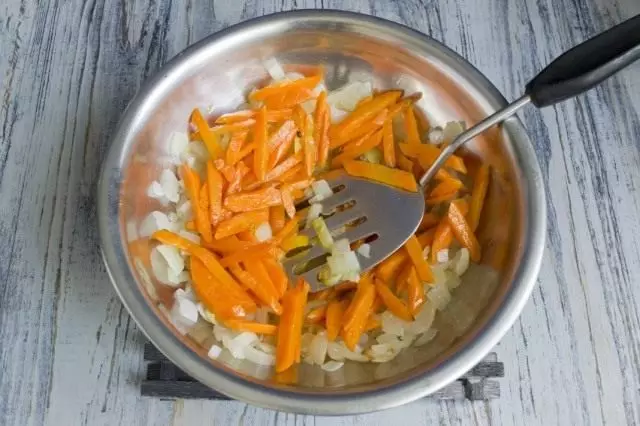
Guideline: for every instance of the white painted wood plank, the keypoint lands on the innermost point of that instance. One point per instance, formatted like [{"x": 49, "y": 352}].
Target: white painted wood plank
[{"x": 69, "y": 352}]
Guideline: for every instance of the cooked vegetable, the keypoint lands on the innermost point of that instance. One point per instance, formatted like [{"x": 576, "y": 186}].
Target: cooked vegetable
[{"x": 383, "y": 174}]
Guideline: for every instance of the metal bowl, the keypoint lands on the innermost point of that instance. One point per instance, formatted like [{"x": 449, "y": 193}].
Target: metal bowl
[{"x": 218, "y": 71}]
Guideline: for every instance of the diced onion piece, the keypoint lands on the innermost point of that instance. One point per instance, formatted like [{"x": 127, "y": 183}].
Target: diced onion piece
[
  {"x": 206, "y": 314},
  {"x": 214, "y": 351},
  {"x": 364, "y": 250},
  {"x": 154, "y": 222},
  {"x": 178, "y": 142},
  {"x": 439, "y": 295},
  {"x": 259, "y": 357},
  {"x": 341, "y": 246},
  {"x": 347, "y": 97},
  {"x": 326, "y": 240},
  {"x": 263, "y": 232},
  {"x": 452, "y": 129},
  {"x": 315, "y": 210},
  {"x": 442, "y": 256},
  {"x": 426, "y": 337},
  {"x": 423, "y": 320},
  {"x": 159, "y": 266},
  {"x": 461, "y": 261},
  {"x": 172, "y": 256},
  {"x": 331, "y": 366},
  {"x": 274, "y": 69},
  {"x": 184, "y": 211},
  {"x": 436, "y": 136},
  {"x": 318, "y": 348},
  {"x": 294, "y": 76},
  {"x": 155, "y": 191},
  {"x": 322, "y": 191},
  {"x": 343, "y": 263},
  {"x": 393, "y": 325},
  {"x": 184, "y": 312},
  {"x": 191, "y": 236},
  {"x": 170, "y": 187}
]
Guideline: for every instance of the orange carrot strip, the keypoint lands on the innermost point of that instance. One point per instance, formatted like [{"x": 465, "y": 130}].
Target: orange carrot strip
[
  {"x": 286, "y": 86},
  {"x": 290, "y": 327},
  {"x": 322, "y": 122},
  {"x": 426, "y": 238},
  {"x": 357, "y": 148},
  {"x": 238, "y": 126},
  {"x": 356, "y": 315},
  {"x": 283, "y": 167},
  {"x": 263, "y": 291},
  {"x": 253, "y": 200},
  {"x": 287, "y": 200},
  {"x": 383, "y": 174},
  {"x": 234, "y": 147},
  {"x": 415, "y": 292},
  {"x": 250, "y": 253},
  {"x": 411, "y": 127},
  {"x": 273, "y": 116},
  {"x": 415, "y": 253},
  {"x": 292, "y": 174},
  {"x": 334, "y": 314},
  {"x": 246, "y": 150},
  {"x": 442, "y": 239},
  {"x": 388, "y": 144},
  {"x": 462, "y": 230},
  {"x": 395, "y": 305},
  {"x": 317, "y": 315},
  {"x": 427, "y": 154},
  {"x": 190, "y": 226},
  {"x": 445, "y": 187},
  {"x": 286, "y": 132},
  {"x": 277, "y": 274},
  {"x": 241, "y": 222},
  {"x": 208, "y": 136},
  {"x": 401, "y": 279},
  {"x": 276, "y": 218},
  {"x": 227, "y": 245},
  {"x": 372, "y": 126},
  {"x": 192, "y": 184},
  {"x": 404, "y": 163},
  {"x": 389, "y": 267},
  {"x": 204, "y": 206},
  {"x": 478, "y": 194},
  {"x": 215, "y": 185},
  {"x": 261, "y": 155},
  {"x": 252, "y": 326},
  {"x": 365, "y": 112},
  {"x": 429, "y": 220},
  {"x": 431, "y": 201}
]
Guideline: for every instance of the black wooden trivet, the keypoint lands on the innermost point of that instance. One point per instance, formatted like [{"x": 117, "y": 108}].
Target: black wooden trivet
[{"x": 165, "y": 380}]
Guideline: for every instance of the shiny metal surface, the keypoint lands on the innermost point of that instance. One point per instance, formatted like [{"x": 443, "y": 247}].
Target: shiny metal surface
[
  {"x": 217, "y": 71},
  {"x": 477, "y": 129},
  {"x": 367, "y": 197}
]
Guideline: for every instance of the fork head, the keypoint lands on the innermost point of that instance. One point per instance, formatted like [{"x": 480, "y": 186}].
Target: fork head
[{"x": 359, "y": 210}]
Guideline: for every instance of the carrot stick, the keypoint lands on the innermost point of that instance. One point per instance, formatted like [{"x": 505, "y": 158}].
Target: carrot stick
[
  {"x": 445, "y": 187},
  {"x": 289, "y": 228},
  {"x": 263, "y": 291},
  {"x": 287, "y": 200},
  {"x": 252, "y": 326},
  {"x": 429, "y": 220},
  {"x": 356, "y": 315},
  {"x": 238, "y": 126},
  {"x": 227, "y": 245},
  {"x": 401, "y": 279},
  {"x": 388, "y": 144},
  {"x": 404, "y": 163},
  {"x": 253, "y": 200},
  {"x": 333, "y": 321},
  {"x": 411, "y": 127},
  {"x": 373, "y": 125},
  {"x": 427, "y": 154},
  {"x": 234, "y": 147},
  {"x": 261, "y": 155},
  {"x": 383, "y": 174},
  {"x": 283, "y": 167},
  {"x": 395, "y": 305},
  {"x": 426, "y": 238},
  {"x": 478, "y": 194},
  {"x": 290, "y": 327},
  {"x": 322, "y": 122},
  {"x": 365, "y": 112},
  {"x": 273, "y": 116},
  {"x": 249, "y": 254},
  {"x": 280, "y": 142},
  {"x": 192, "y": 184},
  {"x": 277, "y": 275},
  {"x": 415, "y": 292},
  {"x": 463, "y": 232},
  {"x": 208, "y": 136},
  {"x": 356, "y": 149},
  {"x": 413, "y": 248},
  {"x": 284, "y": 87},
  {"x": 389, "y": 267},
  {"x": 276, "y": 218},
  {"x": 317, "y": 315},
  {"x": 308, "y": 144},
  {"x": 442, "y": 239},
  {"x": 241, "y": 222},
  {"x": 215, "y": 185}
]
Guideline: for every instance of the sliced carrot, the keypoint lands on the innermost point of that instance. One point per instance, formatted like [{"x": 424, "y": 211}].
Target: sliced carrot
[
  {"x": 365, "y": 112},
  {"x": 415, "y": 292},
  {"x": 238, "y": 126},
  {"x": 253, "y": 200},
  {"x": 190, "y": 225},
  {"x": 383, "y": 174},
  {"x": 413, "y": 248},
  {"x": 290, "y": 228},
  {"x": 283, "y": 167},
  {"x": 446, "y": 186},
  {"x": 372, "y": 126},
  {"x": 357, "y": 148},
  {"x": 210, "y": 138},
  {"x": 251, "y": 253},
  {"x": 305, "y": 125},
  {"x": 411, "y": 127},
  {"x": 333, "y": 321},
  {"x": 389, "y": 267},
  {"x": 277, "y": 274},
  {"x": 377, "y": 306},
  {"x": 261, "y": 155},
  {"x": 247, "y": 236},
  {"x": 283, "y": 87},
  {"x": 317, "y": 315},
  {"x": 393, "y": 303},
  {"x": 192, "y": 184},
  {"x": 356, "y": 315},
  {"x": 478, "y": 194},
  {"x": 322, "y": 123},
  {"x": 426, "y": 154},
  {"x": 215, "y": 186},
  {"x": 241, "y": 222},
  {"x": 401, "y": 279},
  {"x": 245, "y": 151},
  {"x": 388, "y": 144},
  {"x": 442, "y": 239},
  {"x": 215, "y": 296},
  {"x": 448, "y": 196},
  {"x": 280, "y": 142},
  {"x": 252, "y": 326},
  {"x": 290, "y": 327},
  {"x": 463, "y": 232},
  {"x": 293, "y": 173},
  {"x": 234, "y": 147},
  {"x": 273, "y": 116},
  {"x": 404, "y": 163},
  {"x": 287, "y": 200},
  {"x": 276, "y": 218},
  {"x": 227, "y": 245},
  {"x": 429, "y": 220},
  {"x": 426, "y": 238},
  {"x": 263, "y": 291}
]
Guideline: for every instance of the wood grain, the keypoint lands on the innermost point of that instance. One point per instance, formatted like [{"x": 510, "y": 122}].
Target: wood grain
[{"x": 69, "y": 353}]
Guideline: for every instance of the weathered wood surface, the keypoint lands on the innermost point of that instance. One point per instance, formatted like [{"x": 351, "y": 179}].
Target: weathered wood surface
[{"x": 69, "y": 353}]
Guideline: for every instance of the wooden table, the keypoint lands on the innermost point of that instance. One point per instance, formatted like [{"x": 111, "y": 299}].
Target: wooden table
[{"x": 69, "y": 352}]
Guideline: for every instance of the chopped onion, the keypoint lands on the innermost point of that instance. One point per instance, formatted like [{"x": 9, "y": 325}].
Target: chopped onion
[
  {"x": 206, "y": 314},
  {"x": 343, "y": 263},
  {"x": 426, "y": 337},
  {"x": 184, "y": 312},
  {"x": 159, "y": 266},
  {"x": 461, "y": 261},
  {"x": 439, "y": 295},
  {"x": 132, "y": 230},
  {"x": 322, "y": 191},
  {"x": 424, "y": 319},
  {"x": 184, "y": 211},
  {"x": 318, "y": 348},
  {"x": 263, "y": 232},
  {"x": 169, "y": 184},
  {"x": 347, "y": 97},
  {"x": 172, "y": 256},
  {"x": 155, "y": 191},
  {"x": 341, "y": 246},
  {"x": 442, "y": 256},
  {"x": 257, "y": 356},
  {"x": 331, "y": 366},
  {"x": 315, "y": 210},
  {"x": 153, "y": 222},
  {"x": 273, "y": 67},
  {"x": 191, "y": 236},
  {"x": 392, "y": 324},
  {"x": 436, "y": 136},
  {"x": 214, "y": 351},
  {"x": 364, "y": 250},
  {"x": 178, "y": 142},
  {"x": 326, "y": 240},
  {"x": 452, "y": 129}
]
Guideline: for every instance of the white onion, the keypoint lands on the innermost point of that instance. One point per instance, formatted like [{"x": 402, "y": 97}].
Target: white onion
[
  {"x": 184, "y": 312},
  {"x": 169, "y": 184},
  {"x": 315, "y": 210},
  {"x": 335, "y": 351},
  {"x": 263, "y": 232},
  {"x": 156, "y": 192},
  {"x": 132, "y": 231},
  {"x": 337, "y": 114},
  {"x": 326, "y": 240},
  {"x": 322, "y": 191},
  {"x": 257, "y": 356},
  {"x": 184, "y": 211},
  {"x": 178, "y": 142},
  {"x": 154, "y": 222},
  {"x": 341, "y": 246},
  {"x": 292, "y": 75},
  {"x": 436, "y": 136},
  {"x": 442, "y": 256},
  {"x": 461, "y": 261},
  {"x": 331, "y": 366},
  {"x": 347, "y": 97},
  {"x": 239, "y": 344},
  {"x": 191, "y": 236},
  {"x": 386, "y": 338},
  {"x": 159, "y": 266},
  {"x": 423, "y": 320},
  {"x": 452, "y": 129},
  {"x": 222, "y": 333},
  {"x": 426, "y": 337},
  {"x": 214, "y": 351},
  {"x": 172, "y": 255},
  {"x": 364, "y": 250},
  {"x": 273, "y": 67},
  {"x": 392, "y": 324},
  {"x": 318, "y": 348},
  {"x": 266, "y": 347},
  {"x": 440, "y": 296},
  {"x": 206, "y": 314}
]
